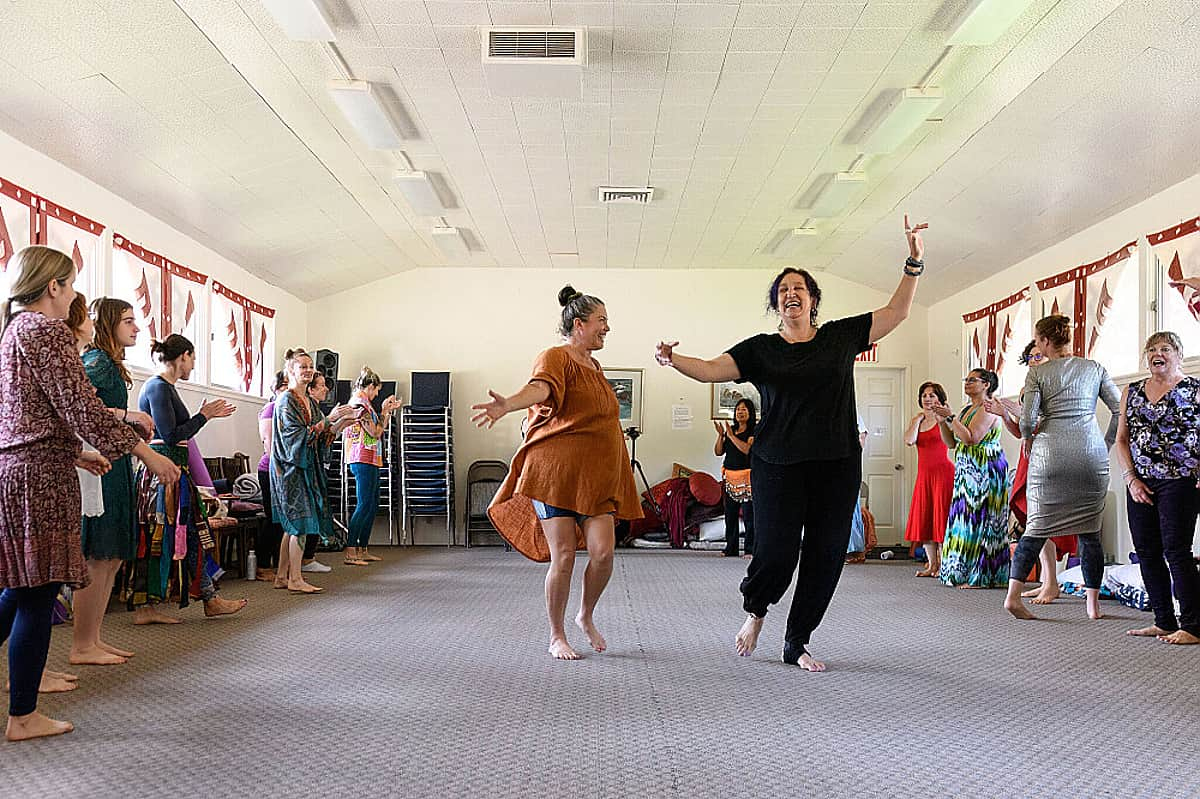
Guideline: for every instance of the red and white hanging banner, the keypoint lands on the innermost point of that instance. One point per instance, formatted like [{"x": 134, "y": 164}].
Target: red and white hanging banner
[
  {"x": 989, "y": 331},
  {"x": 138, "y": 277},
  {"x": 262, "y": 342},
  {"x": 18, "y": 220},
  {"x": 74, "y": 234},
  {"x": 1179, "y": 248},
  {"x": 1074, "y": 283},
  {"x": 237, "y": 332}
]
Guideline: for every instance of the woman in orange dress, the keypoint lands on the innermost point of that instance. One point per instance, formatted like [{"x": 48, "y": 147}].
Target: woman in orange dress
[
  {"x": 935, "y": 479},
  {"x": 571, "y": 478}
]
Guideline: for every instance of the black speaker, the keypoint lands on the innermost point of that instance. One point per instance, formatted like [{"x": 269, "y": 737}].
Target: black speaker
[
  {"x": 344, "y": 390},
  {"x": 431, "y": 389},
  {"x": 326, "y": 362},
  {"x": 387, "y": 389}
]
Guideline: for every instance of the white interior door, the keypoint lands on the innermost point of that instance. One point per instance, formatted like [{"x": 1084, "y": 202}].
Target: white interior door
[{"x": 880, "y": 392}]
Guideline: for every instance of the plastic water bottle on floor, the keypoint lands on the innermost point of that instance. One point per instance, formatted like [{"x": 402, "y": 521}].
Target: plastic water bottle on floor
[
  {"x": 886, "y": 554},
  {"x": 251, "y": 565}
]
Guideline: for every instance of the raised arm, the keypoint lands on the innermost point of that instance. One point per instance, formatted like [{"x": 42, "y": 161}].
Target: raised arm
[
  {"x": 535, "y": 392},
  {"x": 715, "y": 370},
  {"x": 889, "y": 317},
  {"x": 719, "y": 447}
]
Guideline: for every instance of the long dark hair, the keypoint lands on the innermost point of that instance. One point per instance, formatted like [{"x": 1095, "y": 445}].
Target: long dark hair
[
  {"x": 752, "y": 421},
  {"x": 107, "y": 311}
]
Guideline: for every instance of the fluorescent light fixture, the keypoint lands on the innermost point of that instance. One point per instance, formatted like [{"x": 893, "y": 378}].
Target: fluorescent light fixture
[
  {"x": 984, "y": 21},
  {"x": 301, "y": 20},
  {"x": 420, "y": 194},
  {"x": 907, "y": 111},
  {"x": 360, "y": 105},
  {"x": 451, "y": 242},
  {"x": 839, "y": 190},
  {"x": 795, "y": 242}
]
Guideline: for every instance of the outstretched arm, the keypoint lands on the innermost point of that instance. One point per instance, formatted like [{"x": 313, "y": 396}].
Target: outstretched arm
[
  {"x": 535, "y": 392},
  {"x": 715, "y": 370},
  {"x": 889, "y": 317}
]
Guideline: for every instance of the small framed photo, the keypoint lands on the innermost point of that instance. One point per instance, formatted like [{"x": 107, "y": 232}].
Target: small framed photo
[
  {"x": 725, "y": 398},
  {"x": 627, "y": 385}
]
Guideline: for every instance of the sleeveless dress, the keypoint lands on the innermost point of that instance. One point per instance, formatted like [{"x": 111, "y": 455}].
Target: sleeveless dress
[
  {"x": 975, "y": 551},
  {"x": 931, "y": 493}
]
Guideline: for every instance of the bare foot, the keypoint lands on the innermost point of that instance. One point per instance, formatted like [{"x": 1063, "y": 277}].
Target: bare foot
[
  {"x": 1093, "y": 608},
  {"x": 62, "y": 675},
  {"x": 1179, "y": 637},
  {"x": 807, "y": 663},
  {"x": 265, "y": 575},
  {"x": 94, "y": 656},
  {"x": 1153, "y": 631},
  {"x": 1032, "y": 592},
  {"x": 747, "y": 637},
  {"x": 51, "y": 684},
  {"x": 281, "y": 583},
  {"x": 125, "y": 653},
  {"x": 223, "y": 607},
  {"x": 35, "y": 725},
  {"x": 593, "y": 635},
  {"x": 1017, "y": 608},
  {"x": 149, "y": 615},
  {"x": 561, "y": 650},
  {"x": 303, "y": 588},
  {"x": 924, "y": 573},
  {"x": 1046, "y": 594},
  {"x": 367, "y": 556}
]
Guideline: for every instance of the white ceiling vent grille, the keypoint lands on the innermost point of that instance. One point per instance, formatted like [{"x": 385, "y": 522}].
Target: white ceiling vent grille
[
  {"x": 618, "y": 195},
  {"x": 534, "y": 62},
  {"x": 507, "y": 43}
]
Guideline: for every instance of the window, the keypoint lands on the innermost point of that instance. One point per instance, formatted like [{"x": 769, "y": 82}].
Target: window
[
  {"x": 1113, "y": 304},
  {"x": 1177, "y": 251},
  {"x": 228, "y": 352},
  {"x": 262, "y": 341},
  {"x": 77, "y": 236},
  {"x": 16, "y": 220},
  {"x": 137, "y": 278},
  {"x": 1014, "y": 324}
]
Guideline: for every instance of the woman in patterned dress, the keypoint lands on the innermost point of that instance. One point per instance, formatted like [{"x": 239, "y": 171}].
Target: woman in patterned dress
[
  {"x": 1158, "y": 450},
  {"x": 108, "y": 539},
  {"x": 975, "y": 552},
  {"x": 46, "y": 405}
]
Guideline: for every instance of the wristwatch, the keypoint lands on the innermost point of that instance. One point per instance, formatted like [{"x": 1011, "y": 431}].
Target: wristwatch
[{"x": 950, "y": 419}]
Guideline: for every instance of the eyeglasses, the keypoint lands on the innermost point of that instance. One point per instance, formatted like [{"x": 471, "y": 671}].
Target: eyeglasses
[
  {"x": 1036, "y": 358},
  {"x": 972, "y": 380}
]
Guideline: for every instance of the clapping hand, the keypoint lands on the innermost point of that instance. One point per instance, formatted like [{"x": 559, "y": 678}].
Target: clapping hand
[
  {"x": 942, "y": 411},
  {"x": 343, "y": 411},
  {"x": 916, "y": 247},
  {"x": 664, "y": 352},
  {"x": 722, "y": 428},
  {"x": 491, "y": 411},
  {"x": 994, "y": 405},
  {"x": 217, "y": 409},
  {"x": 392, "y": 403},
  {"x": 93, "y": 462}
]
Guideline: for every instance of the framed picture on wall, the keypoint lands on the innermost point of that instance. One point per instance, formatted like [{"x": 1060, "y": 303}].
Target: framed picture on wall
[
  {"x": 627, "y": 385},
  {"x": 725, "y": 398}
]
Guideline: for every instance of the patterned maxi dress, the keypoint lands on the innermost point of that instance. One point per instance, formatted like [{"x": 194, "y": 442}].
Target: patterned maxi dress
[
  {"x": 300, "y": 441},
  {"x": 975, "y": 551}
]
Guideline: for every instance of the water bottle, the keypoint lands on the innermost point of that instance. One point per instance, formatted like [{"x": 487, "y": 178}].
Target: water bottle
[
  {"x": 251, "y": 565},
  {"x": 886, "y": 554}
]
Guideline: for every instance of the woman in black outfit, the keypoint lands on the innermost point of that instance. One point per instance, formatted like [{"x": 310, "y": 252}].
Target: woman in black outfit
[
  {"x": 806, "y": 464},
  {"x": 734, "y": 442}
]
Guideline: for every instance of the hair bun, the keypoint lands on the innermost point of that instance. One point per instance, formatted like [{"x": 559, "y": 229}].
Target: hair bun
[
  {"x": 156, "y": 346},
  {"x": 566, "y": 294}
]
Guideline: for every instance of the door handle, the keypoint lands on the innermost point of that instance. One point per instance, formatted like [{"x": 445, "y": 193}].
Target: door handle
[{"x": 899, "y": 467}]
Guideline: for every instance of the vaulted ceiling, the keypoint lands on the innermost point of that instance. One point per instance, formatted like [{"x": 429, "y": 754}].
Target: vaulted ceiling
[{"x": 205, "y": 114}]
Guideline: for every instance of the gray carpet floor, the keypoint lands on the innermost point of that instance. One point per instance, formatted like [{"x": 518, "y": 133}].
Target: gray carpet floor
[{"x": 426, "y": 675}]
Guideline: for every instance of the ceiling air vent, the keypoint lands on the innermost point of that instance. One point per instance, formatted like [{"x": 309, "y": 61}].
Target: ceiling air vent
[
  {"x": 534, "y": 62},
  {"x": 617, "y": 195}
]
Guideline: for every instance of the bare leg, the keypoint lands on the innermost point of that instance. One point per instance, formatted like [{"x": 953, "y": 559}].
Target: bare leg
[
  {"x": 90, "y": 605},
  {"x": 295, "y": 578},
  {"x": 1093, "y": 603},
  {"x": 601, "y": 537},
  {"x": 282, "y": 563},
  {"x": 35, "y": 725},
  {"x": 1013, "y": 603},
  {"x": 932, "y": 564},
  {"x": 560, "y": 535},
  {"x": 1049, "y": 574}
]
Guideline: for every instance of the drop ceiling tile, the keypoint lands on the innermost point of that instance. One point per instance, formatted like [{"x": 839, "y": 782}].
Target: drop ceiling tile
[
  {"x": 705, "y": 16},
  {"x": 443, "y": 12},
  {"x": 750, "y": 63},
  {"x": 807, "y": 39},
  {"x": 527, "y": 13},
  {"x": 653, "y": 16},
  {"x": 759, "y": 40},
  {"x": 590, "y": 14},
  {"x": 421, "y": 36},
  {"x": 712, "y": 40},
  {"x": 640, "y": 40}
]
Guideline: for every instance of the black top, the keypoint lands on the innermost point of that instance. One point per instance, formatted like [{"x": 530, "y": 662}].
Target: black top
[
  {"x": 735, "y": 459},
  {"x": 807, "y": 391},
  {"x": 172, "y": 424}
]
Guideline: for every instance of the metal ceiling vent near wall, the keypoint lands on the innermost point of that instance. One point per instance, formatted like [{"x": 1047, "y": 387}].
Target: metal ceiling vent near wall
[
  {"x": 633, "y": 195},
  {"x": 534, "y": 62}
]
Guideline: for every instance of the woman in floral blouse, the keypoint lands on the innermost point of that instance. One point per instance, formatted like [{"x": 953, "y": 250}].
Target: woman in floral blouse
[
  {"x": 1159, "y": 454},
  {"x": 46, "y": 405}
]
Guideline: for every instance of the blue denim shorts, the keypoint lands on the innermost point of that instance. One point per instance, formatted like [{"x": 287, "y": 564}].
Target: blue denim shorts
[{"x": 545, "y": 511}]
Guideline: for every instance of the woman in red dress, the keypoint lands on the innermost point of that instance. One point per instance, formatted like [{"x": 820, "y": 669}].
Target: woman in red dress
[
  {"x": 1059, "y": 545},
  {"x": 935, "y": 479}
]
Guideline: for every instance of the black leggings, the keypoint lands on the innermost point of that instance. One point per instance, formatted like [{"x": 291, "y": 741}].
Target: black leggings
[
  {"x": 1162, "y": 535},
  {"x": 811, "y": 501},
  {"x": 732, "y": 509},
  {"x": 25, "y": 615},
  {"x": 1091, "y": 556}
]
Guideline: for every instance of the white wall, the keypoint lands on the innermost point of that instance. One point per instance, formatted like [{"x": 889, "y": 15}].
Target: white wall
[
  {"x": 46, "y": 177},
  {"x": 487, "y": 325},
  {"x": 945, "y": 357}
]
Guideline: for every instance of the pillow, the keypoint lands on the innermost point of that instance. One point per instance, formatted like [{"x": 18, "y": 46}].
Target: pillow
[{"x": 704, "y": 488}]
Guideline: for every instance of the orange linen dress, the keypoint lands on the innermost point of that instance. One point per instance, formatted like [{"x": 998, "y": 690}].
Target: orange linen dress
[{"x": 573, "y": 457}]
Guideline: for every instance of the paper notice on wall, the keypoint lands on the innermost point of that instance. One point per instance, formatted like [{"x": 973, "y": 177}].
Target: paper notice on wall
[{"x": 681, "y": 417}]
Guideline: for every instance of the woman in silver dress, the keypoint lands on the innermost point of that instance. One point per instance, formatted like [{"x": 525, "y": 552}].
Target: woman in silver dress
[{"x": 1068, "y": 460}]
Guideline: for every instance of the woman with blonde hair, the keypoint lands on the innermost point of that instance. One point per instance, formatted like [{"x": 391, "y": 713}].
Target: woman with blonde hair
[
  {"x": 364, "y": 453},
  {"x": 300, "y": 440},
  {"x": 46, "y": 405}
]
